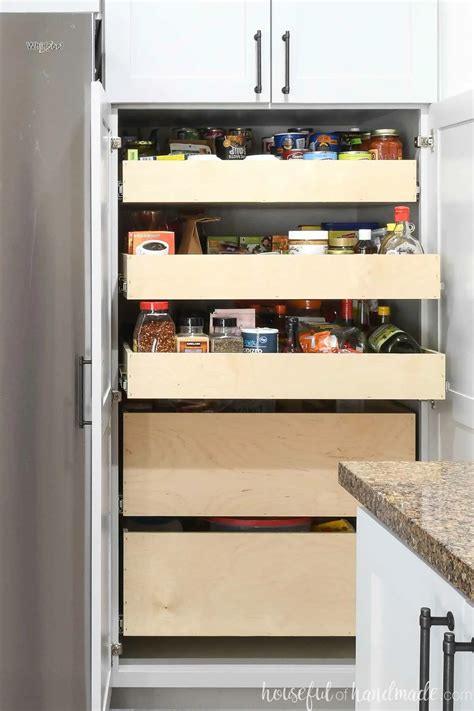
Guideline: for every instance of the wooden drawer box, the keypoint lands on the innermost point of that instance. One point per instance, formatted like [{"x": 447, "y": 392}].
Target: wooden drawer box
[
  {"x": 332, "y": 376},
  {"x": 252, "y": 464},
  {"x": 239, "y": 584}
]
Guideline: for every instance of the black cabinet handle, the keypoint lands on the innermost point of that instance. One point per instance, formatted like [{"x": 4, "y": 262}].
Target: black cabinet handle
[
  {"x": 426, "y": 623},
  {"x": 286, "y": 40},
  {"x": 80, "y": 391},
  {"x": 450, "y": 647},
  {"x": 258, "y": 39}
]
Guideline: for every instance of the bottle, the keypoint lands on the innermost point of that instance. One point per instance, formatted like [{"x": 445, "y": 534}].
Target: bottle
[
  {"x": 350, "y": 338},
  {"x": 154, "y": 330},
  {"x": 402, "y": 241},
  {"x": 226, "y": 337},
  {"x": 292, "y": 344},
  {"x": 191, "y": 337},
  {"x": 363, "y": 320},
  {"x": 365, "y": 244},
  {"x": 279, "y": 322},
  {"x": 388, "y": 338}
]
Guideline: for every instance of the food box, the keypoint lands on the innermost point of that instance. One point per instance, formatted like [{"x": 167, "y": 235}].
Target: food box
[
  {"x": 245, "y": 317},
  {"x": 255, "y": 244},
  {"x": 223, "y": 245},
  {"x": 155, "y": 243},
  {"x": 279, "y": 243}
]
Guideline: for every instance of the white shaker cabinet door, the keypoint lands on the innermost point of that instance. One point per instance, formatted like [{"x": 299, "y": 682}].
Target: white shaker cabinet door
[
  {"x": 354, "y": 51},
  {"x": 187, "y": 51}
]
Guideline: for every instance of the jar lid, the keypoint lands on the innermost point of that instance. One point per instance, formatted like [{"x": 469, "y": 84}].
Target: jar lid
[
  {"x": 384, "y": 311},
  {"x": 354, "y": 129},
  {"x": 191, "y": 321},
  {"x": 154, "y": 305},
  {"x": 342, "y": 241},
  {"x": 223, "y": 322},
  {"x": 385, "y": 132},
  {"x": 308, "y": 235},
  {"x": 365, "y": 235}
]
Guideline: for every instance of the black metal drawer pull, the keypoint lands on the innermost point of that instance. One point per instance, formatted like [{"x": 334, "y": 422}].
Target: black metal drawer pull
[
  {"x": 258, "y": 39},
  {"x": 450, "y": 647},
  {"x": 426, "y": 623}
]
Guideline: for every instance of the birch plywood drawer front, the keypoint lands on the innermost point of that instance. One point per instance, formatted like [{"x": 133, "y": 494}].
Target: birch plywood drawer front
[
  {"x": 252, "y": 465},
  {"x": 247, "y": 181},
  {"x": 371, "y": 276},
  {"x": 380, "y": 376},
  {"x": 239, "y": 584}
]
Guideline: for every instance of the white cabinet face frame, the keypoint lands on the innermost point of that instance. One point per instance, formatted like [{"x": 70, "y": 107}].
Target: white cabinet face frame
[
  {"x": 354, "y": 51},
  {"x": 187, "y": 51}
]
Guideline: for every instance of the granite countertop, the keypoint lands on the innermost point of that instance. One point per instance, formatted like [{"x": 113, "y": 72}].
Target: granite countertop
[{"x": 428, "y": 505}]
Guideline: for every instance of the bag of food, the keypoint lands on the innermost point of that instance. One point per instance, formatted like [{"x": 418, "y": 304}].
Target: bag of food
[{"x": 190, "y": 242}]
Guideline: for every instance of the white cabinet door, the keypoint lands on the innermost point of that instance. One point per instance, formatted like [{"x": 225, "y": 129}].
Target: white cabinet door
[
  {"x": 354, "y": 51},
  {"x": 187, "y": 51},
  {"x": 393, "y": 584},
  {"x": 102, "y": 374}
]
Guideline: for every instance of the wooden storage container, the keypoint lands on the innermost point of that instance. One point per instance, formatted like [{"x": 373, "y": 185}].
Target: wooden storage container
[
  {"x": 239, "y": 584},
  {"x": 239, "y": 276},
  {"x": 252, "y": 464},
  {"x": 380, "y": 376},
  {"x": 251, "y": 181}
]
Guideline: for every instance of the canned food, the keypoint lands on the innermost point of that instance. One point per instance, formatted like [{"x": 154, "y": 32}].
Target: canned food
[
  {"x": 268, "y": 144},
  {"x": 324, "y": 141},
  {"x": 246, "y": 132},
  {"x": 260, "y": 340},
  {"x": 355, "y": 155},
  {"x": 230, "y": 147},
  {"x": 320, "y": 155},
  {"x": 211, "y": 132},
  {"x": 293, "y": 153},
  {"x": 286, "y": 141},
  {"x": 185, "y": 133}
]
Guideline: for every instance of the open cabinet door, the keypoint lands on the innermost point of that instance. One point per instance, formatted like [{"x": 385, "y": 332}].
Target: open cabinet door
[
  {"x": 101, "y": 311},
  {"x": 449, "y": 172}
]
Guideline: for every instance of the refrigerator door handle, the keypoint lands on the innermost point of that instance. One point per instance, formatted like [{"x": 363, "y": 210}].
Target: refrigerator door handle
[{"x": 80, "y": 391}]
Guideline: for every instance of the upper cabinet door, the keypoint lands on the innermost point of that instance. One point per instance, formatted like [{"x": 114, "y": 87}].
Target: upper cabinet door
[
  {"x": 187, "y": 51},
  {"x": 354, "y": 51}
]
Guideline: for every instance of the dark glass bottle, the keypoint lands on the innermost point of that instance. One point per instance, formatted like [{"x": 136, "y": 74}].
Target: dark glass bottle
[
  {"x": 388, "y": 338},
  {"x": 292, "y": 344},
  {"x": 350, "y": 338},
  {"x": 279, "y": 322},
  {"x": 365, "y": 244},
  {"x": 363, "y": 322}
]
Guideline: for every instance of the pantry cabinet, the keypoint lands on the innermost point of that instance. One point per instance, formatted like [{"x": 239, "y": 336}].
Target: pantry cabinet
[
  {"x": 187, "y": 51},
  {"x": 335, "y": 51}
]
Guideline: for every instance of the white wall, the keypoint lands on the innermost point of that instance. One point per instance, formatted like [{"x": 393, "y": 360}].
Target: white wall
[{"x": 49, "y": 5}]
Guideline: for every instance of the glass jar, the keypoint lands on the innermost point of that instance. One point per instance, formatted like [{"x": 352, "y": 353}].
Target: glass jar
[
  {"x": 191, "y": 337},
  {"x": 342, "y": 245},
  {"x": 154, "y": 330},
  {"x": 140, "y": 150},
  {"x": 385, "y": 144},
  {"x": 226, "y": 337}
]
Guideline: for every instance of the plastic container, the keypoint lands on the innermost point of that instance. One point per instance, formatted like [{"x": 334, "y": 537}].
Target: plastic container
[
  {"x": 154, "y": 331},
  {"x": 260, "y": 340},
  {"x": 260, "y": 525},
  {"x": 191, "y": 337},
  {"x": 307, "y": 242},
  {"x": 226, "y": 336}
]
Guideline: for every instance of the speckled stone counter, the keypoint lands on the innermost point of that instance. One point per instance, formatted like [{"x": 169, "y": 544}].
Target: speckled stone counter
[{"x": 428, "y": 505}]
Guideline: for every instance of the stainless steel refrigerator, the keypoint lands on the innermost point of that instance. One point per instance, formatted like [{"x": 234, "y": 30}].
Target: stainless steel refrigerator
[{"x": 46, "y": 69}]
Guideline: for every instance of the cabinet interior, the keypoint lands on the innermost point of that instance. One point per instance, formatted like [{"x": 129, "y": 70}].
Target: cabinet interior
[{"x": 267, "y": 219}]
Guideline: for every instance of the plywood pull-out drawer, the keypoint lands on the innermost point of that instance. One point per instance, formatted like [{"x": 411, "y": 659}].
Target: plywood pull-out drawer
[
  {"x": 249, "y": 181},
  {"x": 373, "y": 276},
  {"x": 252, "y": 464},
  {"x": 380, "y": 376},
  {"x": 239, "y": 584}
]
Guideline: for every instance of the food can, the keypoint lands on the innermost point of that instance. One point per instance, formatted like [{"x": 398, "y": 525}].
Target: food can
[
  {"x": 246, "y": 132},
  {"x": 260, "y": 340},
  {"x": 185, "y": 133},
  {"x": 300, "y": 130},
  {"x": 324, "y": 141},
  {"x": 268, "y": 144},
  {"x": 293, "y": 153},
  {"x": 320, "y": 155},
  {"x": 211, "y": 132},
  {"x": 355, "y": 155},
  {"x": 287, "y": 141},
  {"x": 230, "y": 147}
]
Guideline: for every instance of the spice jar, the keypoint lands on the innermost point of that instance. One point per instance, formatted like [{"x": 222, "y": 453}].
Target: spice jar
[
  {"x": 226, "y": 337},
  {"x": 385, "y": 144},
  {"x": 154, "y": 331},
  {"x": 191, "y": 337}
]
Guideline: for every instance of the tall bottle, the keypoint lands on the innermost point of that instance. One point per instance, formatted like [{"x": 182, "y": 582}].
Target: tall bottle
[
  {"x": 292, "y": 344},
  {"x": 350, "y": 338},
  {"x": 363, "y": 321},
  {"x": 388, "y": 338},
  {"x": 402, "y": 240},
  {"x": 279, "y": 322}
]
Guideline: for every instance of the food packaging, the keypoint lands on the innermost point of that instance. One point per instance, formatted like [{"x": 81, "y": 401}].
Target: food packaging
[
  {"x": 190, "y": 242},
  {"x": 287, "y": 141},
  {"x": 223, "y": 245},
  {"x": 307, "y": 242},
  {"x": 279, "y": 243},
  {"x": 193, "y": 147},
  {"x": 255, "y": 244},
  {"x": 260, "y": 340},
  {"x": 156, "y": 243},
  {"x": 320, "y": 155}
]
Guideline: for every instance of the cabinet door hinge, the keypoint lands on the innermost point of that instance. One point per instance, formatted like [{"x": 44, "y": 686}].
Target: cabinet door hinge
[
  {"x": 117, "y": 649},
  {"x": 115, "y": 143},
  {"x": 120, "y": 190},
  {"x": 123, "y": 379},
  {"x": 122, "y": 284},
  {"x": 116, "y": 396},
  {"x": 120, "y": 504},
  {"x": 425, "y": 141},
  {"x": 121, "y": 624}
]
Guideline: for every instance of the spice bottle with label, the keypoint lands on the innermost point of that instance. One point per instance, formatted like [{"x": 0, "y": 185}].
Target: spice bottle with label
[
  {"x": 191, "y": 337},
  {"x": 155, "y": 330},
  {"x": 365, "y": 244},
  {"x": 226, "y": 337}
]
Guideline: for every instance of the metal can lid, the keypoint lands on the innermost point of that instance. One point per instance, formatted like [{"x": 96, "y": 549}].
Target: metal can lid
[{"x": 385, "y": 132}]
